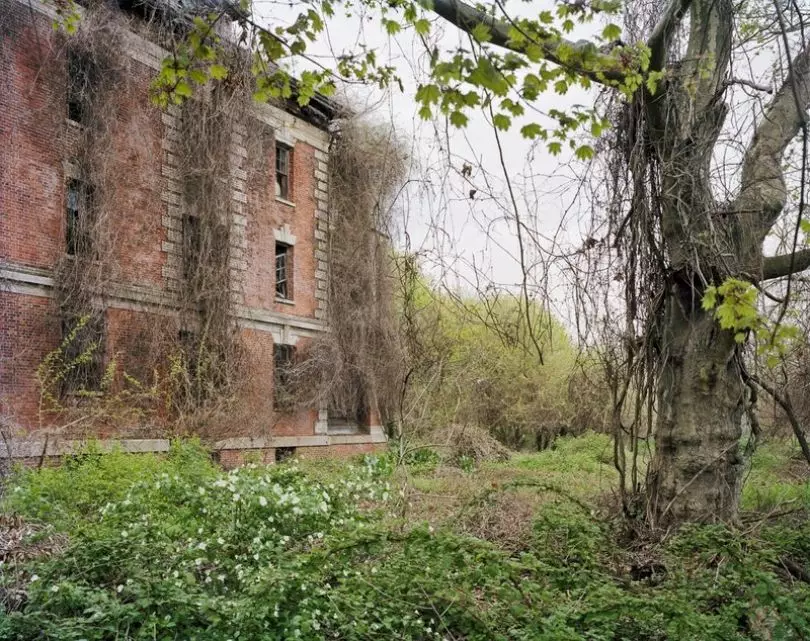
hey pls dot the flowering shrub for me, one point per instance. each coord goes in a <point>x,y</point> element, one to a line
<point>176,549</point>
<point>179,545</point>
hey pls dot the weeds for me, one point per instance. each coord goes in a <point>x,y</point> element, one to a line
<point>175,548</point>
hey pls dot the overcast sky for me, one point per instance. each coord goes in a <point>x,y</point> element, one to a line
<point>460,236</point>
<point>473,241</point>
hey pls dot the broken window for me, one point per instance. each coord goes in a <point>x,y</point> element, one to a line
<point>78,209</point>
<point>83,339</point>
<point>79,86</point>
<point>284,454</point>
<point>283,361</point>
<point>191,245</point>
<point>283,271</point>
<point>283,163</point>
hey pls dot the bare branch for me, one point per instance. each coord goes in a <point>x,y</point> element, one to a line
<point>661,36</point>
<point>748,83</point>
<point>763,184</point>
<point>467,18</point>
<point>783,400</point>
<point>786,264</point>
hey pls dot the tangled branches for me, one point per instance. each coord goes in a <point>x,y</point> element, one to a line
<point>358,364</point>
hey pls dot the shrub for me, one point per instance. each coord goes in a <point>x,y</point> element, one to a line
<point>177,549</point>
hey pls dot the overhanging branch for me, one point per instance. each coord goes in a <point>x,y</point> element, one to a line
<point>763,185</point>
<point>661,37</point>
<point>779,266</point>
<point>467,18</point>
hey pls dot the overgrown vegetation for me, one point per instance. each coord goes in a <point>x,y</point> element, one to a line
<point>472,363</point>
<point>137,547</point>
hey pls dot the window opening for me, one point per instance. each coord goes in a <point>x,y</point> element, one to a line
<point>283,360</point>
<point>283,163</point>
<point>283,271</point>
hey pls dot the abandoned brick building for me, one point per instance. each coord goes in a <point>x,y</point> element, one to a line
<point>146,178</point>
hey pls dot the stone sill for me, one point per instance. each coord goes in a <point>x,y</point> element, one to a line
<point>285,301</point>
<point>44,447</point>
<point>284,201</point>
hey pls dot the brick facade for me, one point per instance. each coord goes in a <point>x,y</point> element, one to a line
<point>138,289</point>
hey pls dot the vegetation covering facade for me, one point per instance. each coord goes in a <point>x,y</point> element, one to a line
<point>159,266</point>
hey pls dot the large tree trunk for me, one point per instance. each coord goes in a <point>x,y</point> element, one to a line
<point>697,468</point>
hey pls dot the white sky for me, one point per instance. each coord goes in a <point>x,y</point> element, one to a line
<point>454,231</point>
<point>462,237</point>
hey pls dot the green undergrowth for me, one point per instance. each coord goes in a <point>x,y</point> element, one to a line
<point>177,549</point>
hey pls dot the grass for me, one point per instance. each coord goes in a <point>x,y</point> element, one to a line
<point>778,479</point>
<point>132,547</point>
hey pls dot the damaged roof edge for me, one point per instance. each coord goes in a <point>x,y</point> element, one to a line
<point>319,112</point>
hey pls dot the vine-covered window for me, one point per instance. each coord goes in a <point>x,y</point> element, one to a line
<point>283,361</point>
<point>79,86</point>
<point>83,345</point>
<point>191,245</point>
<point>78,223</point>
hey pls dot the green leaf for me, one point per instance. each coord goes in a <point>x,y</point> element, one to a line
<point>392,27</point>
<point>531,131</point>
<point>183,89</point>
<point>428,94</point>
<point>611,32</point>
<point>481,33</point>
<point>653,79</point>
<point>422,26</point>
<point>218,71</point>
<point>554,148</point>
<point>709,298</point>
<point>198,76</point>
<point>584,152</point>
<point>502,121</point>
<point>458,119</point>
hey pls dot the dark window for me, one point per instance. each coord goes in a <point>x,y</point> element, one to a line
<point>283,164</point>
<point>284,454</point>
<point>283,271</point>
<point>191,245</point>
<point>78,208</point>
<point>82,348</point>
<point>283,360</point>
<point>79,86</point>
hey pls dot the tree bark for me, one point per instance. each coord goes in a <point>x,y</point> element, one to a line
<point>696,472</point>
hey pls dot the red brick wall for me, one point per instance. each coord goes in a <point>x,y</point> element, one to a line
<point>36,141</point>
<point>32,109</point>
<point>269,214</point>
<point>28,331</point>
<point>136,182</point>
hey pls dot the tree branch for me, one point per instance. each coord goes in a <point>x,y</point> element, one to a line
<point>661,37</point>
<point>784,402</point>
<point>779,266</point>
<point>466,18</point>
<point>763,185</point>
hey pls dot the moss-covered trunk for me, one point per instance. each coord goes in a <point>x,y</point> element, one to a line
<point>697,469</point>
